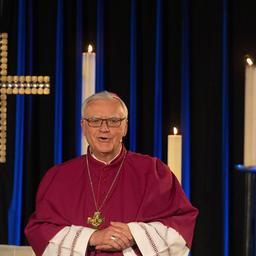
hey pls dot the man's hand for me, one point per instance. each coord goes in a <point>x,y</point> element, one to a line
<point>116,237</point>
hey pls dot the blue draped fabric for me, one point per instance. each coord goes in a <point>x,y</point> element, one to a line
<point>225,129</point>
<point>14,213</point>
<point>79,50</point>
<point>185,100</point>
<point>100,47</point>
<point>158,84</point>
<point>30,69</point>
<point>58,85</point>
<point>133,79</point>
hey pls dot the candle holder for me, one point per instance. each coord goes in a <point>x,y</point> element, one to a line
<point>243,168</point>
<point>249,208</point>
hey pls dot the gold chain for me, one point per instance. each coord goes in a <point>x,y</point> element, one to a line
<point>110,188</point>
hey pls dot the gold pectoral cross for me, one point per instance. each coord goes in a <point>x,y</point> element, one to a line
<point>96,220</point>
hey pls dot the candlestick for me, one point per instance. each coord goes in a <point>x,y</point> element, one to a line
<point>250,115</point>
<point>175,153</point>
<point>88,87</point>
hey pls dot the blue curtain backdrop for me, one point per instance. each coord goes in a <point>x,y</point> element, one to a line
<point>166,83</point>
<point>225,127</point>
<point>158,105</point>
<point>185,110</point>
<point>133,78</point>
<point>14,215</point>
<point>58,85</point>
<point>100,47</point>
<point>79,49</point>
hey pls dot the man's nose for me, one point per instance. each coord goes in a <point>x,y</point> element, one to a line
<point>104,126</point>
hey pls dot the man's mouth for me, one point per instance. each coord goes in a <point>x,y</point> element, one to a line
<point>103,139</point>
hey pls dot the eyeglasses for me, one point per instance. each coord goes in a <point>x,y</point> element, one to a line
<point>111,122</point>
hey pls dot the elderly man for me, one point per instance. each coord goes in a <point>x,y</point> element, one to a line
<point>110,201</point>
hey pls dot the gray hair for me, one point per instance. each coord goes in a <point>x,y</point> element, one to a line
<point>105,95</point>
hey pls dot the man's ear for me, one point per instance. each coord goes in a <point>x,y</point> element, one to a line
<point>83,126</point>
<point>126,128</point>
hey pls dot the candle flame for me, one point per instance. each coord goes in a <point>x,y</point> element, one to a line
<point>90,48</point>
<point>249,61</point>
<point>175,131</point>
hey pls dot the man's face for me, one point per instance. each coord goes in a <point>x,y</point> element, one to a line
<point>104,141</point>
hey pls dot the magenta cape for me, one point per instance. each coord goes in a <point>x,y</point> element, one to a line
<point>145,191</point>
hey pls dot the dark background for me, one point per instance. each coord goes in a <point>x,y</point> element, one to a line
<point>205,44</point>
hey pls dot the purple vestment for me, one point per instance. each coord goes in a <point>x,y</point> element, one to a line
<point>145,191</point>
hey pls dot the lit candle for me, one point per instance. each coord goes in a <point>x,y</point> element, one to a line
<point>250,114</point>
<point>88,86</point>
<point>174,153</point>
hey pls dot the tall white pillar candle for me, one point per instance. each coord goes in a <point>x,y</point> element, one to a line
<point>175,154</point>
<point>250,116</point>
<point>88,83</point>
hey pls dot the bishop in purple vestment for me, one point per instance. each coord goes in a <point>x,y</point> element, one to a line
<point>110,201</point>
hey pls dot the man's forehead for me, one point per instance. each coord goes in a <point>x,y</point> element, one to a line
<point>104,105</point>
<point>99,102</point>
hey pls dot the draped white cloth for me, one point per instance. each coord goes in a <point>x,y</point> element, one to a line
<point>151,238</point>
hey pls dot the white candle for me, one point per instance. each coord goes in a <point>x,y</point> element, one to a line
<point>175,153</point>
<point>250,115</point>
<point>88,86</point>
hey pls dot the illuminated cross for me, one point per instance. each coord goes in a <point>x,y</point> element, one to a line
<point>14,85</point>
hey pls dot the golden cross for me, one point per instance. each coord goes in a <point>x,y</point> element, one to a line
<point>96,220</point>
<point>14,85</point>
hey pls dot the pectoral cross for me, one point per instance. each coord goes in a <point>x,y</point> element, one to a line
<point>96,220</point>
<point>14,85</point>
